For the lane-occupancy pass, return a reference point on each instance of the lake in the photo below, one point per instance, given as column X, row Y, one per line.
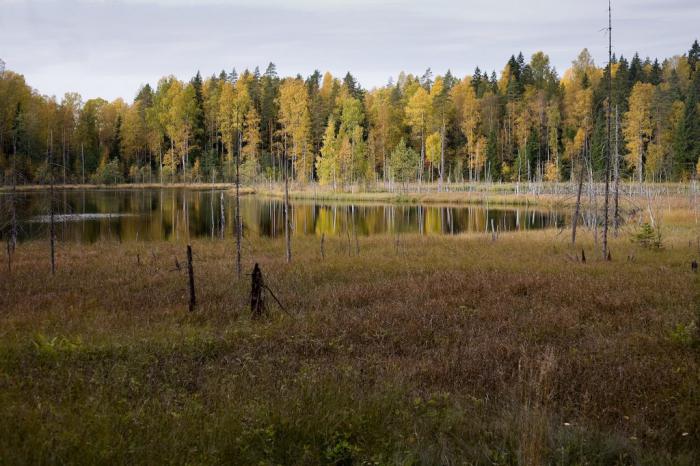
column 174, row 214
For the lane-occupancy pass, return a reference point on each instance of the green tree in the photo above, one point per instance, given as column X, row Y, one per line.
column 404, row 162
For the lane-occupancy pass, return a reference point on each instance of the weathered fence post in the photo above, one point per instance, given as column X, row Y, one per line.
column 190, row 272
column 323, row 239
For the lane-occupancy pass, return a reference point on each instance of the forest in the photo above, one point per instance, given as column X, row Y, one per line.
column 528, row 124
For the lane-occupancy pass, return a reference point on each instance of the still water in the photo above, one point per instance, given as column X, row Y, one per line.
column 172, row 214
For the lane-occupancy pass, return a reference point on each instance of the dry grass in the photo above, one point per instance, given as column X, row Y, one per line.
column 443, row 350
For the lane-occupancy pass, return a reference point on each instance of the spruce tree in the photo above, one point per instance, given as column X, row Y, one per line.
column 198, row 129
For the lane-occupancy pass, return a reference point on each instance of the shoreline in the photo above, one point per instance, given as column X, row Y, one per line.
column 558, row 195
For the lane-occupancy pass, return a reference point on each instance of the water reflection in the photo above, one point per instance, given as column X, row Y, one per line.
column 171, row 214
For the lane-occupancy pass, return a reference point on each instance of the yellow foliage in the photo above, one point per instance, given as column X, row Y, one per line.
column 551, row 172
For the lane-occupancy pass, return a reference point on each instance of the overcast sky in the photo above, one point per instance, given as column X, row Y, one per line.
column 109, row 48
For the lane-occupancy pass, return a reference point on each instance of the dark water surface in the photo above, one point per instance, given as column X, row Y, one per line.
column 171, row 214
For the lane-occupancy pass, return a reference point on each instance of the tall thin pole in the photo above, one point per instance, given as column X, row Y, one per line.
column 609, row 145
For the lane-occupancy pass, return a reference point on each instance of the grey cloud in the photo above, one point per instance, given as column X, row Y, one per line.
column 109, row 49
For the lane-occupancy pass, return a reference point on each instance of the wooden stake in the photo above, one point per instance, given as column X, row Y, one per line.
column 190, row 272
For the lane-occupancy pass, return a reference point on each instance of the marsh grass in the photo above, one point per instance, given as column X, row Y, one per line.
column 446, row 350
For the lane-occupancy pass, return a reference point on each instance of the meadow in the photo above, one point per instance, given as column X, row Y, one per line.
column 390, row 349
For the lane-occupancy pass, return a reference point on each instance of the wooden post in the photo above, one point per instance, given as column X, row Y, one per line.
column 190, row 272
column 323, row 240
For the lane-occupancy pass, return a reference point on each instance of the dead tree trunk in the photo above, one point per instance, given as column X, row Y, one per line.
column 609, row 145
column 257, row 298
column 190, row 274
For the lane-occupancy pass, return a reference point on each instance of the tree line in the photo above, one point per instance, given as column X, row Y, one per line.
column 526, row 124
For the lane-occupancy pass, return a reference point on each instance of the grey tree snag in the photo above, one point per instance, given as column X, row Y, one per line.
column 606, row 256
column 287, row 226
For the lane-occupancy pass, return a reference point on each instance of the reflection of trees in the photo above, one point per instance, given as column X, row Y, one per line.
column 169, row 214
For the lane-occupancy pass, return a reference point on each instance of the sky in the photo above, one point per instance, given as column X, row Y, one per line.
column 104, row 48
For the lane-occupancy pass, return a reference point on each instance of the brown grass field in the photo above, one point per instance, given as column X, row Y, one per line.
column 432, row 350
